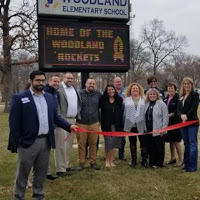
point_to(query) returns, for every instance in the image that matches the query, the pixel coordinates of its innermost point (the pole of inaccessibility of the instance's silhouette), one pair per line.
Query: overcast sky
(181, 16)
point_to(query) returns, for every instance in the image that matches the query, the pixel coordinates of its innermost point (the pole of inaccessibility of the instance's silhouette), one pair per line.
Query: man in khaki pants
(69, 106)
(90, 121)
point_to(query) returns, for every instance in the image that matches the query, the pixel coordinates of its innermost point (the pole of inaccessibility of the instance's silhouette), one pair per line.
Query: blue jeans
(189, 135)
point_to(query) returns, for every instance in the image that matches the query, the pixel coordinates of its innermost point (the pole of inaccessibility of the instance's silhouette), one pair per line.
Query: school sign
(113, 9)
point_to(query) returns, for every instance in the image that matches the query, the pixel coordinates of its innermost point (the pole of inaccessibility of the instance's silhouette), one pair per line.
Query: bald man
(69, 106)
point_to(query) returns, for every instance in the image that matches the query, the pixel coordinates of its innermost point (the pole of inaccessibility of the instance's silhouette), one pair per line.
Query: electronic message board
(82, 47)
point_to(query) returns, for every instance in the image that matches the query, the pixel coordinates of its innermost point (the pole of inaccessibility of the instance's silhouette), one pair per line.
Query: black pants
(156, 150)
(121, 149)
(133, 146)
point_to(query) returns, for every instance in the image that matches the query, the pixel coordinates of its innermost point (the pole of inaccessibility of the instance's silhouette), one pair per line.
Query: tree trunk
(8, 90)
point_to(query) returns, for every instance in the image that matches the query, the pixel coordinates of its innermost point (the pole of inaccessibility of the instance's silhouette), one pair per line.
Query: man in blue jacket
(117, 82)
(32, 117)
(51, 88)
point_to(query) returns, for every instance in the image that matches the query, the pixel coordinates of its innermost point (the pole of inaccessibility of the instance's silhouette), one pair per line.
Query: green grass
(120, 183)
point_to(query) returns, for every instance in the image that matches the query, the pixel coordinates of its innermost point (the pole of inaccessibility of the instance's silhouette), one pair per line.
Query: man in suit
(69, 106)
(32, 117)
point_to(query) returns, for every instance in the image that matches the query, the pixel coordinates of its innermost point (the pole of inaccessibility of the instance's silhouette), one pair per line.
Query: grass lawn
(120, 183)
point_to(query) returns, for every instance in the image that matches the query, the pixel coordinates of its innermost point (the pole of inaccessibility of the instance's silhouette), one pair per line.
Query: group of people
(43, 117)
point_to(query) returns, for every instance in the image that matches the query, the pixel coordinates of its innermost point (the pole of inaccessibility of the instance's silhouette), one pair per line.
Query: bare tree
(185, 65)
(160, 44)
(139, 59)
(19, 34)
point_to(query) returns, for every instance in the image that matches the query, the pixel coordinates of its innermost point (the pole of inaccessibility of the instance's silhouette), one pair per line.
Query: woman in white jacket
(156, 117)
(134, 121)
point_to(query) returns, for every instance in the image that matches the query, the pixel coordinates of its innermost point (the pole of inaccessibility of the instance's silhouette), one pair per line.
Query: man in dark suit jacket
(33, 114)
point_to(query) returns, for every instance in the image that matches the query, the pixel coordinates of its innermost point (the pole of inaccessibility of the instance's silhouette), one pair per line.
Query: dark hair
(35, 73)
(170, 84)
(116, 96)
(89, 78)
(150, 79)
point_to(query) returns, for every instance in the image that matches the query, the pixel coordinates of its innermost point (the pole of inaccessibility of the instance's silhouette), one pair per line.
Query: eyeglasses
(40, 80)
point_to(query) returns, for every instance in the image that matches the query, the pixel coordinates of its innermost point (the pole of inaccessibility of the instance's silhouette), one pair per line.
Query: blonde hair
(152, 90)
(182, 90)
(128, 89)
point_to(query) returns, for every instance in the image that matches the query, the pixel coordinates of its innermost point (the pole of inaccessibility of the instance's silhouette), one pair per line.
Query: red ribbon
(121, 134)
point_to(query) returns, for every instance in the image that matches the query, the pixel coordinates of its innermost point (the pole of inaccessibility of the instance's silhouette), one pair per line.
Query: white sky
(181, 16)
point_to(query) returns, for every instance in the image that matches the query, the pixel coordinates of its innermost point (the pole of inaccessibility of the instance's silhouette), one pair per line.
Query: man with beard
(69, 106)
(90, 121)
(33, 114)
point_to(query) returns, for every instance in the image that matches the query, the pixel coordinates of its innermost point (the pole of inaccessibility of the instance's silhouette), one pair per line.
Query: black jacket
(190, 106)
(172, 108)
(53, 92)
(107, 116)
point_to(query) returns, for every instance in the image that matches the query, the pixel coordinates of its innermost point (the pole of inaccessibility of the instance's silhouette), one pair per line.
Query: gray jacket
(160, 116)
(63, 104)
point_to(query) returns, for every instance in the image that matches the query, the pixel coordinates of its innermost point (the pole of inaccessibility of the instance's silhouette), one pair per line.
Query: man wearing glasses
(69, 106)
(32, 117)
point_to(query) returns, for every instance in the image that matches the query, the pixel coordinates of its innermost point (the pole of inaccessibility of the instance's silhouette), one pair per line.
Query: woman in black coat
(111, 105)
(187, 110)
(173, 136)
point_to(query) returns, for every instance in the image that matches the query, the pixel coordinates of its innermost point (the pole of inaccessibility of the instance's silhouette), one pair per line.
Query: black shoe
(70, 169)
(95, 166)
(80, 167)
(144, 163)
(133, 164)
(61, 174)
(123, 158)
(172, 162)
(51, 177)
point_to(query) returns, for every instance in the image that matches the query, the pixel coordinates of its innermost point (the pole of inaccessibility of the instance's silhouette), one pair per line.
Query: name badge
(25, 100)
